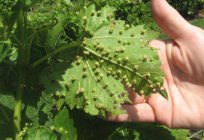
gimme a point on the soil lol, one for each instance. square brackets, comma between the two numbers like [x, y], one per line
[201, 14]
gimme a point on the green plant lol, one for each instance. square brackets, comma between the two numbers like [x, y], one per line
[59, 71]
[139, 12]
[188, 8]
[199, 23]
[133, 12]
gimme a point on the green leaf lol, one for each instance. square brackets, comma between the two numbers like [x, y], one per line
[6, 6]
[112, 55]
[92, 20]
[180, 134]
[7, 102]
[45, 103]
[13, 55]
[96, 98]
[199, 23]
[68, 2]
[144, 131]
[55, 32]
[4, 49]
[39, 133]
[64, 125]
[126, 49]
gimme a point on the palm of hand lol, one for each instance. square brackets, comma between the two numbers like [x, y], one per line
[183, 65]
[184, 69]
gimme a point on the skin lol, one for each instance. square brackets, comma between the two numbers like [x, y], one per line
[182, 60]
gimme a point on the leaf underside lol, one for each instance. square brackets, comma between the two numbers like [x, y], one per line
[113, 55]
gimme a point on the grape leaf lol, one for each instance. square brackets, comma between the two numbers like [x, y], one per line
[55, 32]
[38, 133]
[180, 134]
[93, 20]
[7, 100]
[67, 130]
[144, 131]
[124, 47]
[113, 54]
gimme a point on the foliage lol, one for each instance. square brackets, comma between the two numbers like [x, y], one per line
[60, 72]
[188, 8]
[199, 23]
[133, 12]
[139, 12]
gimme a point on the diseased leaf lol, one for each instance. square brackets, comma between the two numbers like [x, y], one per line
[130, 57]
[113, 54]
[93, 20]
[126, 49]
[85, 90]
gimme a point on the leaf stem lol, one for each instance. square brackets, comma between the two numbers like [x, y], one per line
[18, 106]
[58, 50]
[20, 36]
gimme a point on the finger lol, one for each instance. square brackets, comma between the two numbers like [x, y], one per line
[135, 113]
[165, 55]
[134, 97]
[158, 44]
[161, 46]
[164, 48]
[162, 109]
[170, 21]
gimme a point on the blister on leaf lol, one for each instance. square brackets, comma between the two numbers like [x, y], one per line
[113, 55]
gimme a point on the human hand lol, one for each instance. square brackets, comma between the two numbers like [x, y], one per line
[183, 65]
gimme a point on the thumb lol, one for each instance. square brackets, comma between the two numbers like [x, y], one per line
[170, 21]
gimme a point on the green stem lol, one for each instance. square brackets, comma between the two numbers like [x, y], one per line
[41, 60]
[18, 106]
